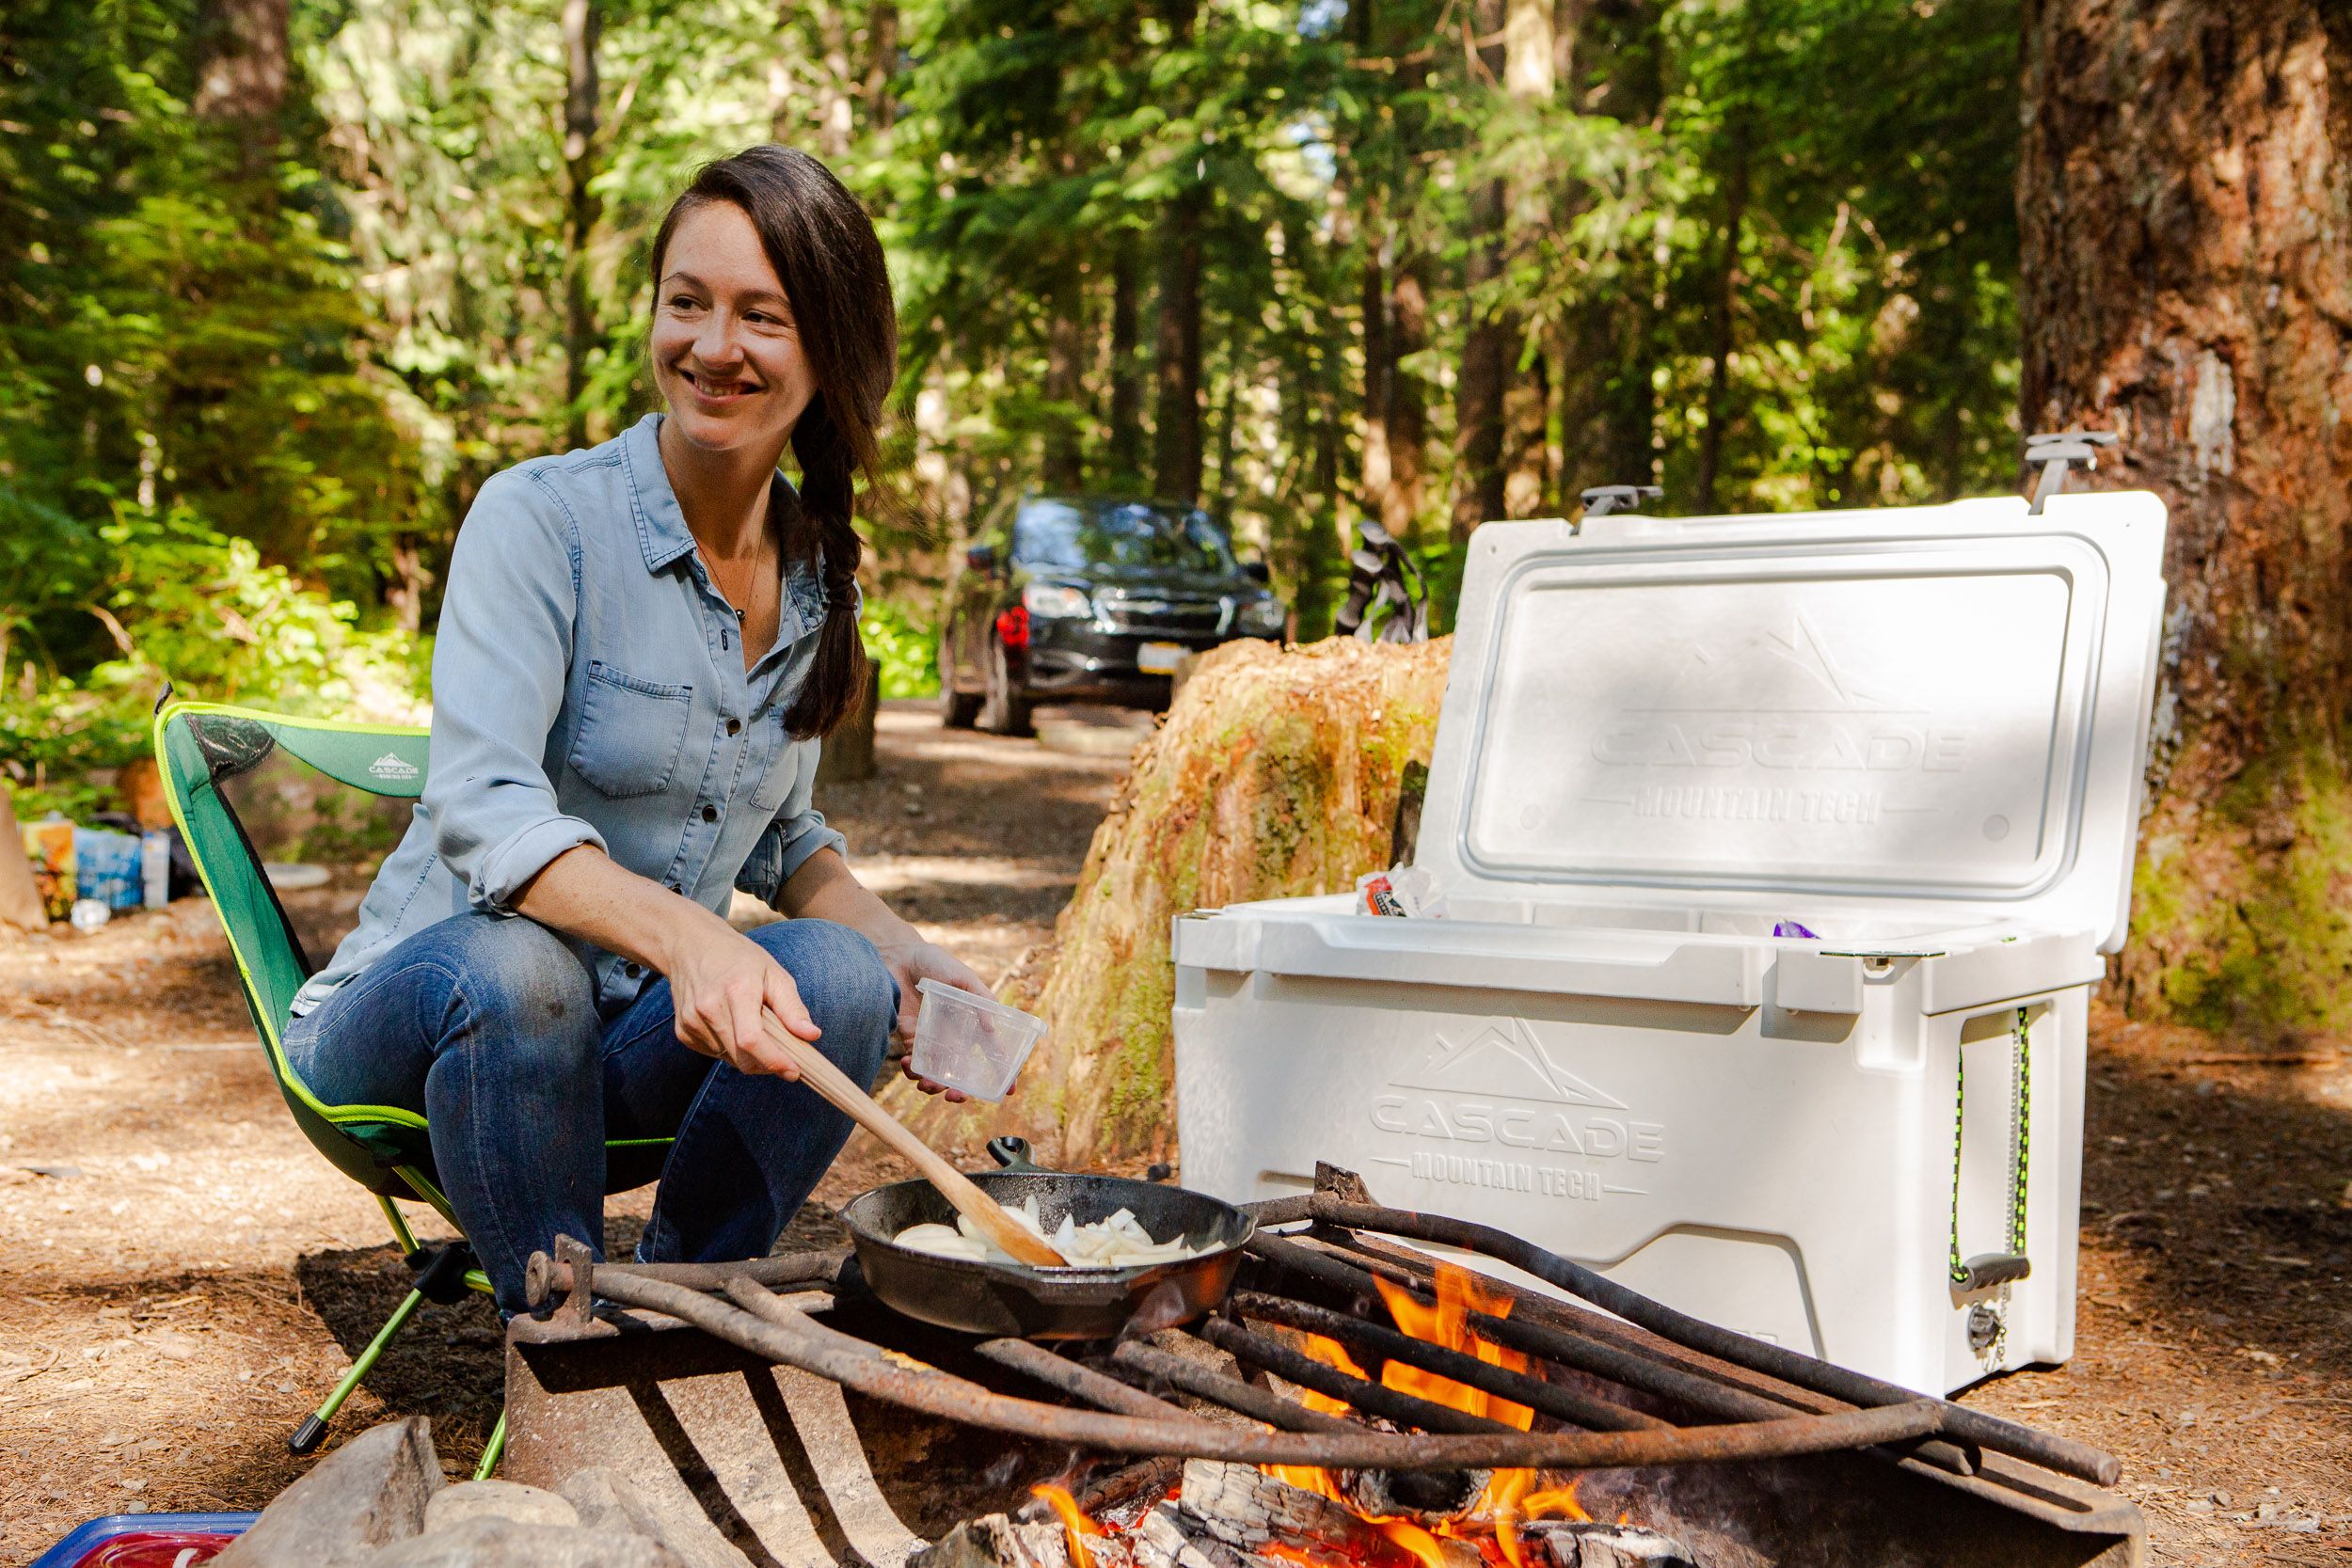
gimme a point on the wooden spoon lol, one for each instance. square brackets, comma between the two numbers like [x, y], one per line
[819, 1073]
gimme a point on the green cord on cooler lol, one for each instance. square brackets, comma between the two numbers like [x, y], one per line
[2019, 1035]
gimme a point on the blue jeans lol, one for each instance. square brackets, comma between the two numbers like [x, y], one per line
[488, 1028]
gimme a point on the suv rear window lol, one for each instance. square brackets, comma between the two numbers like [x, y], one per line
[1077, 534]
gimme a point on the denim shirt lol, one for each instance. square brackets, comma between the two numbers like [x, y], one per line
[588, 687]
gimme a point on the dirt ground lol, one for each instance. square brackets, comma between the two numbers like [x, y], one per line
[182, 1278]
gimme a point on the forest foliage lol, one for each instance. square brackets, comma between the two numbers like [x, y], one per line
[285, 283]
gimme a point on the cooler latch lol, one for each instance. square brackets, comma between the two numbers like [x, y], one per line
[1603, 499]
[2053, 455]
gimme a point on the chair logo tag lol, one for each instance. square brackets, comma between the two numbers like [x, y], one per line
[390, 765]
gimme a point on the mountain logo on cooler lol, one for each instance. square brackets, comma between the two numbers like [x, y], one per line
[1503, 1061]
[392, 765]
[1496, 1111]
[1773, 672]
[1775, 705]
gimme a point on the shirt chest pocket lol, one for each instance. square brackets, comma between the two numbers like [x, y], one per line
[631, 732]
[784, 763]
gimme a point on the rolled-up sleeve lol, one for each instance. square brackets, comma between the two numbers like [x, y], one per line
[798, 832]
[499, 662]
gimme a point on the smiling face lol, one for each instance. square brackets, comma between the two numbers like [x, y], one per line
[726, 355]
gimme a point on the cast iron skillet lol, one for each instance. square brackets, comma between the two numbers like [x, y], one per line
[1061, 1304]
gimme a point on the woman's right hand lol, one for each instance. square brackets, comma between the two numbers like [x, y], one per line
[721, 983]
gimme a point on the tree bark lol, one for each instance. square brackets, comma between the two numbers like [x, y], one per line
[1490, 341]
[2185, 197]
[1527, 470]
[881, 65]
[1532, 65]
[1065, 349]
[1405, 410]
[834, 121]
[1374, 308]
[1126, 373]
[1720, 335]
[583, 27]
[1176, 436]
[241, 63]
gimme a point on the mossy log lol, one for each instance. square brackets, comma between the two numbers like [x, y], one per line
[1277, 772]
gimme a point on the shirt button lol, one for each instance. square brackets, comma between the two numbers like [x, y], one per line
[735, 726]
[632, 971]
[674, 887]
[710, 813]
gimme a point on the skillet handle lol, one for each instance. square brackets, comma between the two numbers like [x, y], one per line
[1014, 1154]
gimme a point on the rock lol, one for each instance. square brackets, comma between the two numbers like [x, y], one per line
[367, 1495]
[506, 1499]
[492, 1541]
[609, 1500]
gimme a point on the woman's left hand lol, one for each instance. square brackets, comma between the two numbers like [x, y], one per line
[926, 961]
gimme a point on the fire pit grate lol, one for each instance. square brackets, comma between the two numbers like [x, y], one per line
[1655, 1400]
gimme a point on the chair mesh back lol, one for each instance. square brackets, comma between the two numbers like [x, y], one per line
[208, 755]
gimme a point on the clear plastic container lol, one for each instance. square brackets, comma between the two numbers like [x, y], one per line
[971, 1042]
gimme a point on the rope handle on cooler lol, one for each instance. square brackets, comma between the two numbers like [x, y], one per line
[1992, 1269]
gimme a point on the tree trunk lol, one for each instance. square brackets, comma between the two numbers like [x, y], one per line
[1527, 476]
[583, 26]
[1126, 373]
[1490, 342]
[242, 68]
[834, 121]
[1405, 413]
[242, 65]
[1720, 333]
[1532, 65]
[1065, 349]
[1176, 436]
[1176, 439]
[1374, 308]
[2185, 197]
[881, 65]
[1276, 773]
[1488, 350]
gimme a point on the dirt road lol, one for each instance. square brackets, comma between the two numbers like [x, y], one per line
[181, 1276]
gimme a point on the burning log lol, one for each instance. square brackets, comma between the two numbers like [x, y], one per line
[1166, 1539]
[1588, 1544]
[994, 1540]
[1425, 1494]
[1246, 1507]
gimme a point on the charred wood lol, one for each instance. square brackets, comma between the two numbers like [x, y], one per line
[1245, 1508]
[1590, 1544]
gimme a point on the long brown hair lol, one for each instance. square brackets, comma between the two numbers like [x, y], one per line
[829, 261]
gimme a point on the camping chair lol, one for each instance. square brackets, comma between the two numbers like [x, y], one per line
[202, 748]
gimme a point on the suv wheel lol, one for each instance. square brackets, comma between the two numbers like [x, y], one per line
[1003, 711]
[957, 709]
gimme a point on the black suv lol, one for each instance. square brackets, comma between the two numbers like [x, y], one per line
[1092, 600]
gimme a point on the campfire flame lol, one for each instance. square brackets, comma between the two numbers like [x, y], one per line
[1076, 1523]
[1512, 1497]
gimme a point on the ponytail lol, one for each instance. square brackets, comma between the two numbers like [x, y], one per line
[828, 544]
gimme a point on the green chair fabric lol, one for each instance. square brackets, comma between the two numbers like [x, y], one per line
[202, 748]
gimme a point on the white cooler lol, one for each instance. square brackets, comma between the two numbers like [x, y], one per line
[1918, 733]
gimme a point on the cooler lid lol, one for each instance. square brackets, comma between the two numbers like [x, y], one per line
[1928, 709]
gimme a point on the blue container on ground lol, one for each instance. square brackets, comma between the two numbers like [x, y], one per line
[85, 1541]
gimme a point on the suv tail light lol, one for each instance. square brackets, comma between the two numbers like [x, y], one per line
[1012, 628]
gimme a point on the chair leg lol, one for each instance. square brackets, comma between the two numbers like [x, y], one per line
[444, 1274]
[493, 1451]
[313, 1428]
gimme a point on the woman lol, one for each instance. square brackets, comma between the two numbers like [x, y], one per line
[640, 647]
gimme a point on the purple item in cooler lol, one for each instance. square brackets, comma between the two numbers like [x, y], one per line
[1791, 928]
